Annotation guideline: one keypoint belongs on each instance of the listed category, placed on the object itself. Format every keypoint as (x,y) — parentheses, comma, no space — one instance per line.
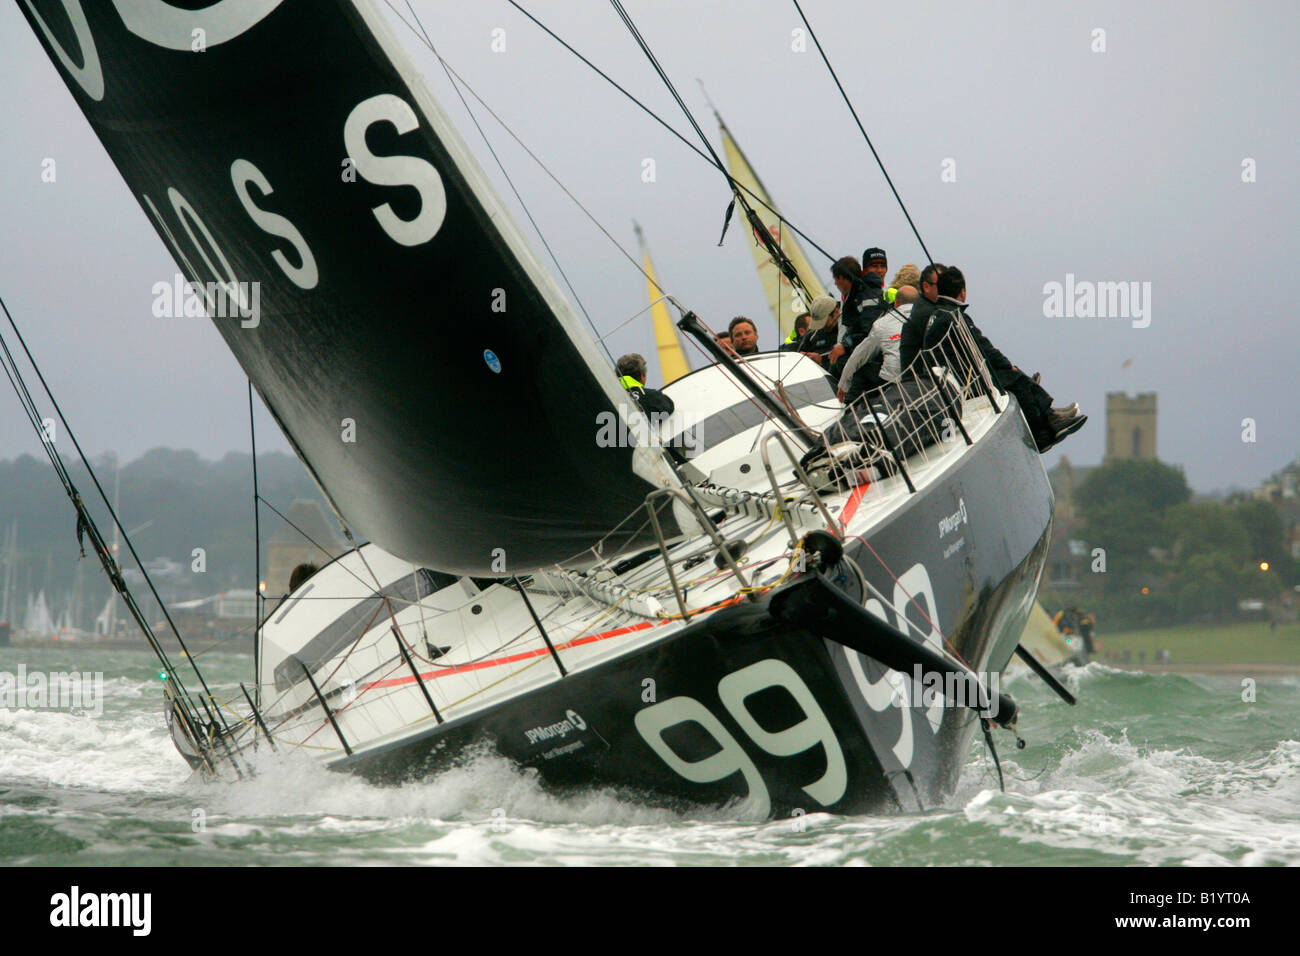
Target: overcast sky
(1122,165)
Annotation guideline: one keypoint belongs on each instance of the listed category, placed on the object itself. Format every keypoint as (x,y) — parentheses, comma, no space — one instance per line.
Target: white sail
(105,619)
(39,620)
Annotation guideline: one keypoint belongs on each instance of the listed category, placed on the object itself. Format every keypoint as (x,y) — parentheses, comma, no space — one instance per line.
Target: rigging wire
(423,37)
(777,253)
(653,115)
(773,248)
(524,146)
(501,166)
(862,129)
(257,558)
(60,468)
(617,245)
(663,75)
(181,702)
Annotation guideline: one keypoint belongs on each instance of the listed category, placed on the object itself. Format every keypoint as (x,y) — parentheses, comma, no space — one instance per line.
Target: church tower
(1130,426)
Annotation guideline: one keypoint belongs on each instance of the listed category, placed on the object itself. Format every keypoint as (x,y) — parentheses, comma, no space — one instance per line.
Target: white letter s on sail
(396,170)
(305,276)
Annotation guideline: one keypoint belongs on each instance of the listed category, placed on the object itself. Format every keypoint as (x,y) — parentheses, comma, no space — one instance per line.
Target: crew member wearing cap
(819,343)
(875,263)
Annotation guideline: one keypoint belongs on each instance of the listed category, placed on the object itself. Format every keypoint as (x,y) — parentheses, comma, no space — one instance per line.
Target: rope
(862,129)
(654,116)
(258,598)
(87,523)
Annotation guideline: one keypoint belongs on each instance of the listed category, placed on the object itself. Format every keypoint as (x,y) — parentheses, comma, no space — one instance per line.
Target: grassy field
(1229,644)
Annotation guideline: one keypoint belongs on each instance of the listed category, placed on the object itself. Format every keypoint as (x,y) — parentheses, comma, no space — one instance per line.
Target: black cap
(873,254)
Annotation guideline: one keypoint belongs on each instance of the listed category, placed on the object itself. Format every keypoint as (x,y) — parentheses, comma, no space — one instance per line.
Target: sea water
(1155,769)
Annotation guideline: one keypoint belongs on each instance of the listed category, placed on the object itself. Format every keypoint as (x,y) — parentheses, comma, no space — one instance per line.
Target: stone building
(1130,426)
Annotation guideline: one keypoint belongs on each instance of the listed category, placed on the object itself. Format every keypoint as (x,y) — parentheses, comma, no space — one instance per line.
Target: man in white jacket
(883,341)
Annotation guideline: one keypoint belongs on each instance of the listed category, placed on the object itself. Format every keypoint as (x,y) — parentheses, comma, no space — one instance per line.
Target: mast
(11,543)
(672,357)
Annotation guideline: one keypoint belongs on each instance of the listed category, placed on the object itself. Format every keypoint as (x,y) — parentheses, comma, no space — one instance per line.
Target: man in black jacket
(913,334)
(862,303)
(1049,425)
(801,324)
(874,262)
(631,370)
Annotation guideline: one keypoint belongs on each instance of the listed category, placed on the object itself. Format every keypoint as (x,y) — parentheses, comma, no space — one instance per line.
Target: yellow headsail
(781,295)
(672,358)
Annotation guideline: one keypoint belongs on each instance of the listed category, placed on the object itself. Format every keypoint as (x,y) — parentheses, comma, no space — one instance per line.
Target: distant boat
(38,620)
(1044,641)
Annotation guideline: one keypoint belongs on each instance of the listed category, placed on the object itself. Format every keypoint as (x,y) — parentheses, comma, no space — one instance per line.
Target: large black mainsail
(383,303)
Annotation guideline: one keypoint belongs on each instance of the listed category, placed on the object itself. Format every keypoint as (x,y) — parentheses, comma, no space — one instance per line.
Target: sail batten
(420,360)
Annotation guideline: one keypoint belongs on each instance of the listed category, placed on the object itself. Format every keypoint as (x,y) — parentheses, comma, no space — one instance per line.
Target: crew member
(1048,425)
(744,337)
(631,375)
(800,329)
(820,341)
(862,294)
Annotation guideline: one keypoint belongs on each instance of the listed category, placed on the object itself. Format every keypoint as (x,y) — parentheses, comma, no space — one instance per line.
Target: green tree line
(1169,559)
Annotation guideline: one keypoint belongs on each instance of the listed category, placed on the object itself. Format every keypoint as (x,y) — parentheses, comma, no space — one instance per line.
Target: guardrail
(915,418)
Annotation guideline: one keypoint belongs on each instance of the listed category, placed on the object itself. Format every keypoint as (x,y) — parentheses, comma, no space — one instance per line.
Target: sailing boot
(1059,427)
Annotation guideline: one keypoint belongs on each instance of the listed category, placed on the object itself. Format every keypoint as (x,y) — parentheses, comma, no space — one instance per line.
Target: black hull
(738,706)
